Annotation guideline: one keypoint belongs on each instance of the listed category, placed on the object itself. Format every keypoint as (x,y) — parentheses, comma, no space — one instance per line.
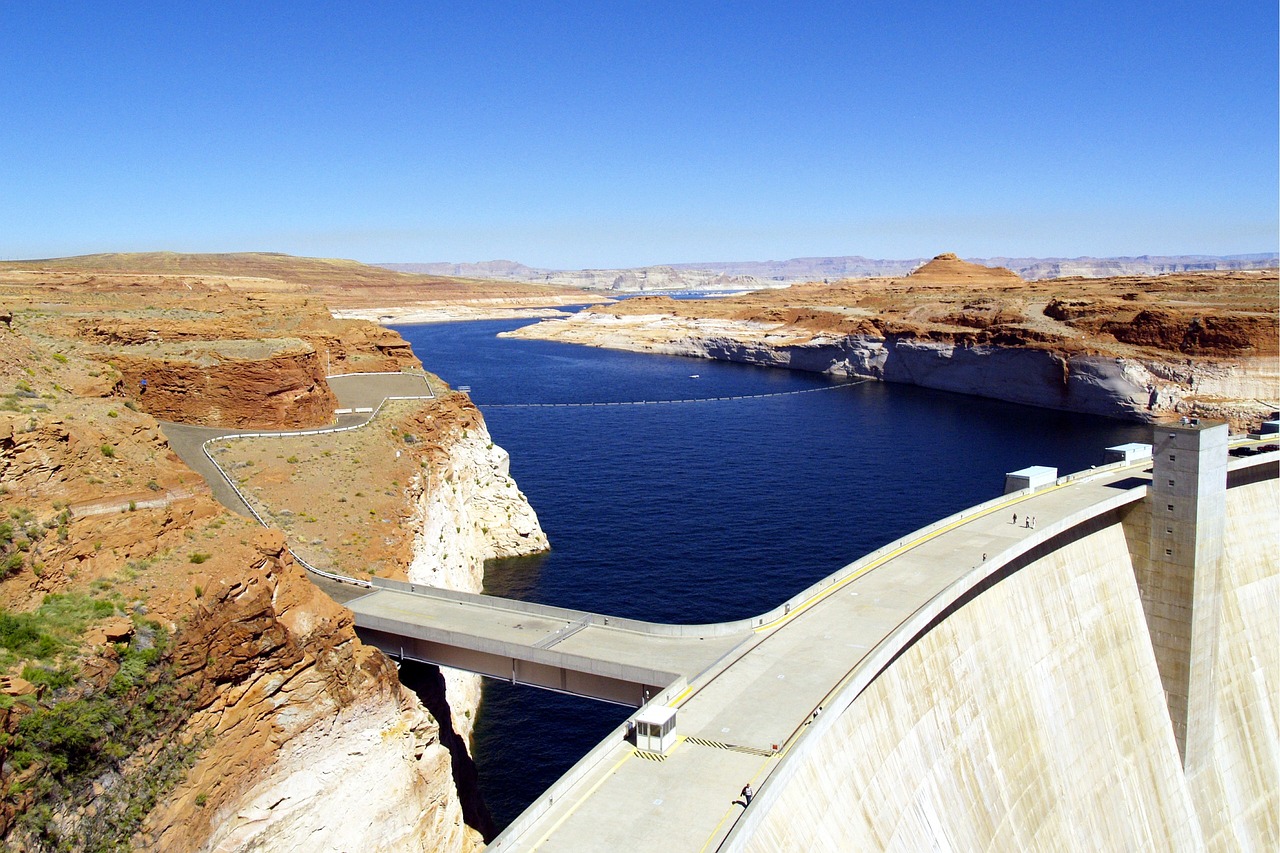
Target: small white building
(656,729)
(1029,478)
(1131,452)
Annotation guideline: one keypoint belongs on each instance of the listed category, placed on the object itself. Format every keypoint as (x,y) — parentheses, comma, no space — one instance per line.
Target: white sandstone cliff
(469,511)
(314,743)
(1133,388)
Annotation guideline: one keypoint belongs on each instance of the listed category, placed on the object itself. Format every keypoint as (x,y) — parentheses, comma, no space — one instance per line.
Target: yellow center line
(725,816)
(585,796)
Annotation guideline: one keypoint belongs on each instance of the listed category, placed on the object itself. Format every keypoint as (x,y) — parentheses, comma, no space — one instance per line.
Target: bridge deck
(731,720)
(504,630)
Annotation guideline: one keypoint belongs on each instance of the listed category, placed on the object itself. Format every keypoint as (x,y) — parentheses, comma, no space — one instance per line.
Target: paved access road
(357,390)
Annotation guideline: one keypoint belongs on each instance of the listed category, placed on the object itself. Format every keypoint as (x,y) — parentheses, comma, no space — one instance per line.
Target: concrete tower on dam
(1179,579)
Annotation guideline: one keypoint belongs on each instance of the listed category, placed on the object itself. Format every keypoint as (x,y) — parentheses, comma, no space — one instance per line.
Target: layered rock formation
(297,736)
(467,510)
(1124,348)
(313,743)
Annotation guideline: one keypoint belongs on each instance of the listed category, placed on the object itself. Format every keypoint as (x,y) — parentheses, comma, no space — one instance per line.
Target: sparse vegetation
(76,736)
(108,451)
(198,557)
(49,631)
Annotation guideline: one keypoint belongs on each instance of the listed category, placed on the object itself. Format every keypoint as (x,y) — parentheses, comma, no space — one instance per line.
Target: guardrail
(204,448)
(847,689)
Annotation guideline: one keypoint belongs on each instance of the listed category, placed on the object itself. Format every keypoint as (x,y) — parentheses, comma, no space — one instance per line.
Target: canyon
(174,680)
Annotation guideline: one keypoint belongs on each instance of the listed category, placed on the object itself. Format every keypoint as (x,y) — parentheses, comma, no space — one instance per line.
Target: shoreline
(453,312)
(1127,388)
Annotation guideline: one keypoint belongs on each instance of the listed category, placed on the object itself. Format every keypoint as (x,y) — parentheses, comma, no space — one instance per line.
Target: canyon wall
(1034,718)
(1121,387)
(321,747)
(312,743)
(468,510)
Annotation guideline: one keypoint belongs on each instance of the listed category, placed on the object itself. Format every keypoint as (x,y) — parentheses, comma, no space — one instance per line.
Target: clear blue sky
(616,134)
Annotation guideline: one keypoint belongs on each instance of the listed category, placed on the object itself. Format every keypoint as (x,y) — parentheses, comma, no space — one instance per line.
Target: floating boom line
(668,402)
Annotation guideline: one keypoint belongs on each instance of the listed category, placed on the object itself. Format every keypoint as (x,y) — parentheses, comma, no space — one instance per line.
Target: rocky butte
(1130,347)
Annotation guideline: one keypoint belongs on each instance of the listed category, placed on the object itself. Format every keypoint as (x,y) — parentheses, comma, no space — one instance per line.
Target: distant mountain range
(751,275)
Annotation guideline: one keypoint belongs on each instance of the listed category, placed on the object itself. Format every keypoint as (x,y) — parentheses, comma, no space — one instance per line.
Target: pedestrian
(984,556)
(1015,518)
(747,794)
(1026,522)
(143,386)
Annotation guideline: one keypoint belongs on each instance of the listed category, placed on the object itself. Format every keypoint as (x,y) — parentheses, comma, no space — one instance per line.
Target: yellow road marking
(816,598)
(582,799)
(716,831)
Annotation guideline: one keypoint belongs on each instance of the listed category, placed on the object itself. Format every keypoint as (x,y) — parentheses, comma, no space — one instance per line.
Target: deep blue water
(704,512)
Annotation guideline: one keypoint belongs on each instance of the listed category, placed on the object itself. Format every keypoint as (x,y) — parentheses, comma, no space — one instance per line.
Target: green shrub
(60,358)
(54,679)
(108,451)
(197,557)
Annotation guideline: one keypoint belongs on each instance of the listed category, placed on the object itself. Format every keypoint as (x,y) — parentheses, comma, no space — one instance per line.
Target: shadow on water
(427,681)
(527,738)
(514,577)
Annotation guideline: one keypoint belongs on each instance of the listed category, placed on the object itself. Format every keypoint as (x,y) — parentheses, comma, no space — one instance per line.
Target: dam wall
(1035,716)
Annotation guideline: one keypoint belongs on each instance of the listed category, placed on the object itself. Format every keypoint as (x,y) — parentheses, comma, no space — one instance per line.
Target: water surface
(711,511)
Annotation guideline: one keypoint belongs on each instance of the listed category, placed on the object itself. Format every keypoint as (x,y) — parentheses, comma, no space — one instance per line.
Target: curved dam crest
(1034,718)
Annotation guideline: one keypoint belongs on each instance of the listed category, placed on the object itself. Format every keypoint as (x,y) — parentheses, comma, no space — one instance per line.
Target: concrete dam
(1104,678)
(1088,701)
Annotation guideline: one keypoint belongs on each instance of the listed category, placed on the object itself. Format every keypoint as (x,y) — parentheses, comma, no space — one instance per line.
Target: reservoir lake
(708,511)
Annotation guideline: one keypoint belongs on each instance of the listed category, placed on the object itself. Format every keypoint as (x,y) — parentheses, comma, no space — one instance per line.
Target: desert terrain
(170,678)
(1185,344)
(757,275)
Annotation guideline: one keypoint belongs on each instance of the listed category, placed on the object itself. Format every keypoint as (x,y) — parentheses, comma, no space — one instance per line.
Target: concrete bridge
(624,661)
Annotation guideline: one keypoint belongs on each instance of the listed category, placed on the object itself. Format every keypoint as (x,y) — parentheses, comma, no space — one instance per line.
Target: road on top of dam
(737,722)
